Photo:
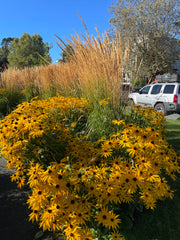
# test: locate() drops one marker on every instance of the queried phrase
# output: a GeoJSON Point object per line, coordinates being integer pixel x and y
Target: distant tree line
{"type": "Point", "coordinates": [26, 51]}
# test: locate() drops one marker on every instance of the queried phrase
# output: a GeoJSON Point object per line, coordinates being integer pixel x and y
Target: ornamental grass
{"type": "Point", "coordinates": [94, 71]}
{"type": "Point", "coordinates": [79, 187]}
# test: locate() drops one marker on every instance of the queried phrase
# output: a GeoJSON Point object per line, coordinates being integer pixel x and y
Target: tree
{"type": "Point", "coordinates": [67, 50]}
{"type": "Point", "coordinates": [28, 51]}
{"type": "Point", "coordinates": [67, 53]}
{"type": "Point", "coordinates": [148, 34]}
{"type": "Point", "coordinates": [4, 52]}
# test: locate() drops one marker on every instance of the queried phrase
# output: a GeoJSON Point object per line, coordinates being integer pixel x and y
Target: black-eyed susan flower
{"type": "Point", "coordinates": [71, 231]}
{"type": "Point", "coordinates": [108, 218]}
{"type": "Point", "coordinates": [34, 216]}
{"type": "Point", "coordinates": [118, 122]}
{"type": "Point", "coordinates": [117, 236]}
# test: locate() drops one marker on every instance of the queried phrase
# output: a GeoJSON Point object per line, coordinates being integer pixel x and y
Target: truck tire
{"type": "Point", "coordinates": [161, 108]}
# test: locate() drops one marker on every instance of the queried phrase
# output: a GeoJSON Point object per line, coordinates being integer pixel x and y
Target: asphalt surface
{"type": "Point", "coordinates": [14, 224]}
{"type": "Point", "coordinates": [174, 116]}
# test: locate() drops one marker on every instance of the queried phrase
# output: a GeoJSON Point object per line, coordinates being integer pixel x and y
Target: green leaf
{"type": "Point", "coordinates": [38, 234]}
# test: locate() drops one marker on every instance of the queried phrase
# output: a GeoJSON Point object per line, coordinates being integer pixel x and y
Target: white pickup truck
{"type": "Point", "coordinates": [164, 97]}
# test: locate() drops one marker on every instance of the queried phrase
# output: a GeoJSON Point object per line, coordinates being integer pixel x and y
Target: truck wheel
{"type": "Point", "coordinates": [160, 107]}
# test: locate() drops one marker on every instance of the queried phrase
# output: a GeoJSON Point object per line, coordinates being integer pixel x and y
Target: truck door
{"type": "Point", "coordinates": [142, 97]}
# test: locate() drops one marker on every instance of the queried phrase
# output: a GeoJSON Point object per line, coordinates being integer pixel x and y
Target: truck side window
{"type": "Point", "coordinates": [144, 90]}
{"type": "Point", "coordinates": [169, 89]}
{"type": "Point", "coordinates": [156, 89]}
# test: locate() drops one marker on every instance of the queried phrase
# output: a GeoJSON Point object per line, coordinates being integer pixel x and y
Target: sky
{"type": "Point", "coordinates": [53, 17]}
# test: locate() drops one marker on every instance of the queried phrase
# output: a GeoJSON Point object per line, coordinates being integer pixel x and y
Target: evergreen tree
{"type": "Point", "coordinates": [4, 51]}
{"type": "Point", "coordinates": [28, 51]}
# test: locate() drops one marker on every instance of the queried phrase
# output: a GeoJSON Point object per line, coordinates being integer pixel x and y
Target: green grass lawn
{"type": "Point", "coordinates": [164, 222]}
{"type": "Point", "coordinates": [173, 134]}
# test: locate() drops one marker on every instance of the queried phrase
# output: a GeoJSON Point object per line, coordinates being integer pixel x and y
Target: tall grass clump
{"type": "Point", "coordinates": [94, 70]}
{"type": "Point", "coordinates": [9, 99]}
{"type": "Point", "coordinates": [98, 66]}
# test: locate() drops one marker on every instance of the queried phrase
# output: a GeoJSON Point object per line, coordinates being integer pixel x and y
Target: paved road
{"type": "Point", "coordinates": [14, 224]}
{"type": "Point", "coordinates": [174, 116]}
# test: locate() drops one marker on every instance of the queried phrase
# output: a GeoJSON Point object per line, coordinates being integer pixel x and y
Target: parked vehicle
{"type": "Point", "coordinates": [163, 96]}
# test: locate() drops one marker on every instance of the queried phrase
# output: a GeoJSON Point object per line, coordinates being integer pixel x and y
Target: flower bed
{"type": "Point", "coordinates": [80, 187]}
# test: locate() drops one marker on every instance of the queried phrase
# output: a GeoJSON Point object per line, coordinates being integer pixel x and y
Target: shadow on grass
{"type": "Point", "coordinates": [163, 223]}
{"type": "Point", "coordinates": [175, 144]}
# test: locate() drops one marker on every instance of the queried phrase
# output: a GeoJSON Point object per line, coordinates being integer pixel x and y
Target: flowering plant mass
{"type": "Point", "coordinates": [78, 186]}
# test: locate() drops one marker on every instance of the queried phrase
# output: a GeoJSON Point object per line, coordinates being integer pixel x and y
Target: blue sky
{"type": "Point", "coordinates": [48, 18]}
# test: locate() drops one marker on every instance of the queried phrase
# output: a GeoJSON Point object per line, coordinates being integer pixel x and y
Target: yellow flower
{"type": "Point", "coordinates": [2, 90]}
{"type": "Point", "coordinates": [72, 231]}
{"type": "Point", "coordinates": [34, 216]}
{"type": "Point", "coordinates": [105, 150]}
{"type": "Point", "coordinates": [117, 236]}
{"type": "Point", "coordinates": [23, 91]}
{"type": "Point", "coordinates": [108, 219]}
{"type": "Point", "coordinates": [80, 216]}
{"type": "Point", "coordinates": [73, 124]}
{"type": "Point", "coordinates": [149, 199]}
{"type": "Point", "coordinates": [86, 234]}
{"type": "Point", "coordinates": [104, 102]}
{"type": "Point", "coordinates": [118, 122]}
{"type": "Point", "coordinates": [38, 198]}
{"type": "Point", "coordinates": [47, 218]}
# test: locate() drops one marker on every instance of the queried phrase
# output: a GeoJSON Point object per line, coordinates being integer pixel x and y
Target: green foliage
{"type": "Point", "coordinates": [9, 99]}
{"type": "Point", "coordinates": [100, 119]}
{"type": "Point", "coordinates": [67, 53]}
{"type": "Point", "coordinates": [31, 91]}
{"type": "Point", "coordinates": [4, 51]}
{"type": "Point", "coordinates": [50, 92]}
{"type": "Point", "coordinates": [28, 51]}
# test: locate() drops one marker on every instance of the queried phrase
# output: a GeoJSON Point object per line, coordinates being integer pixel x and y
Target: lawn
{"type": "Point", "coordinates": [173, 134]}
{"type": "Point", "coordinates": [164, 222]}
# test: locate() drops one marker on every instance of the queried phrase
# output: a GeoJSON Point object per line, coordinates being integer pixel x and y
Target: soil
{"type": "Point", "coordinates": [14, 224]}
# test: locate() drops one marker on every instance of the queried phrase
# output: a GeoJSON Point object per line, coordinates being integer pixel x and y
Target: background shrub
{"type": "Point", "coordinates": [9, 99]}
